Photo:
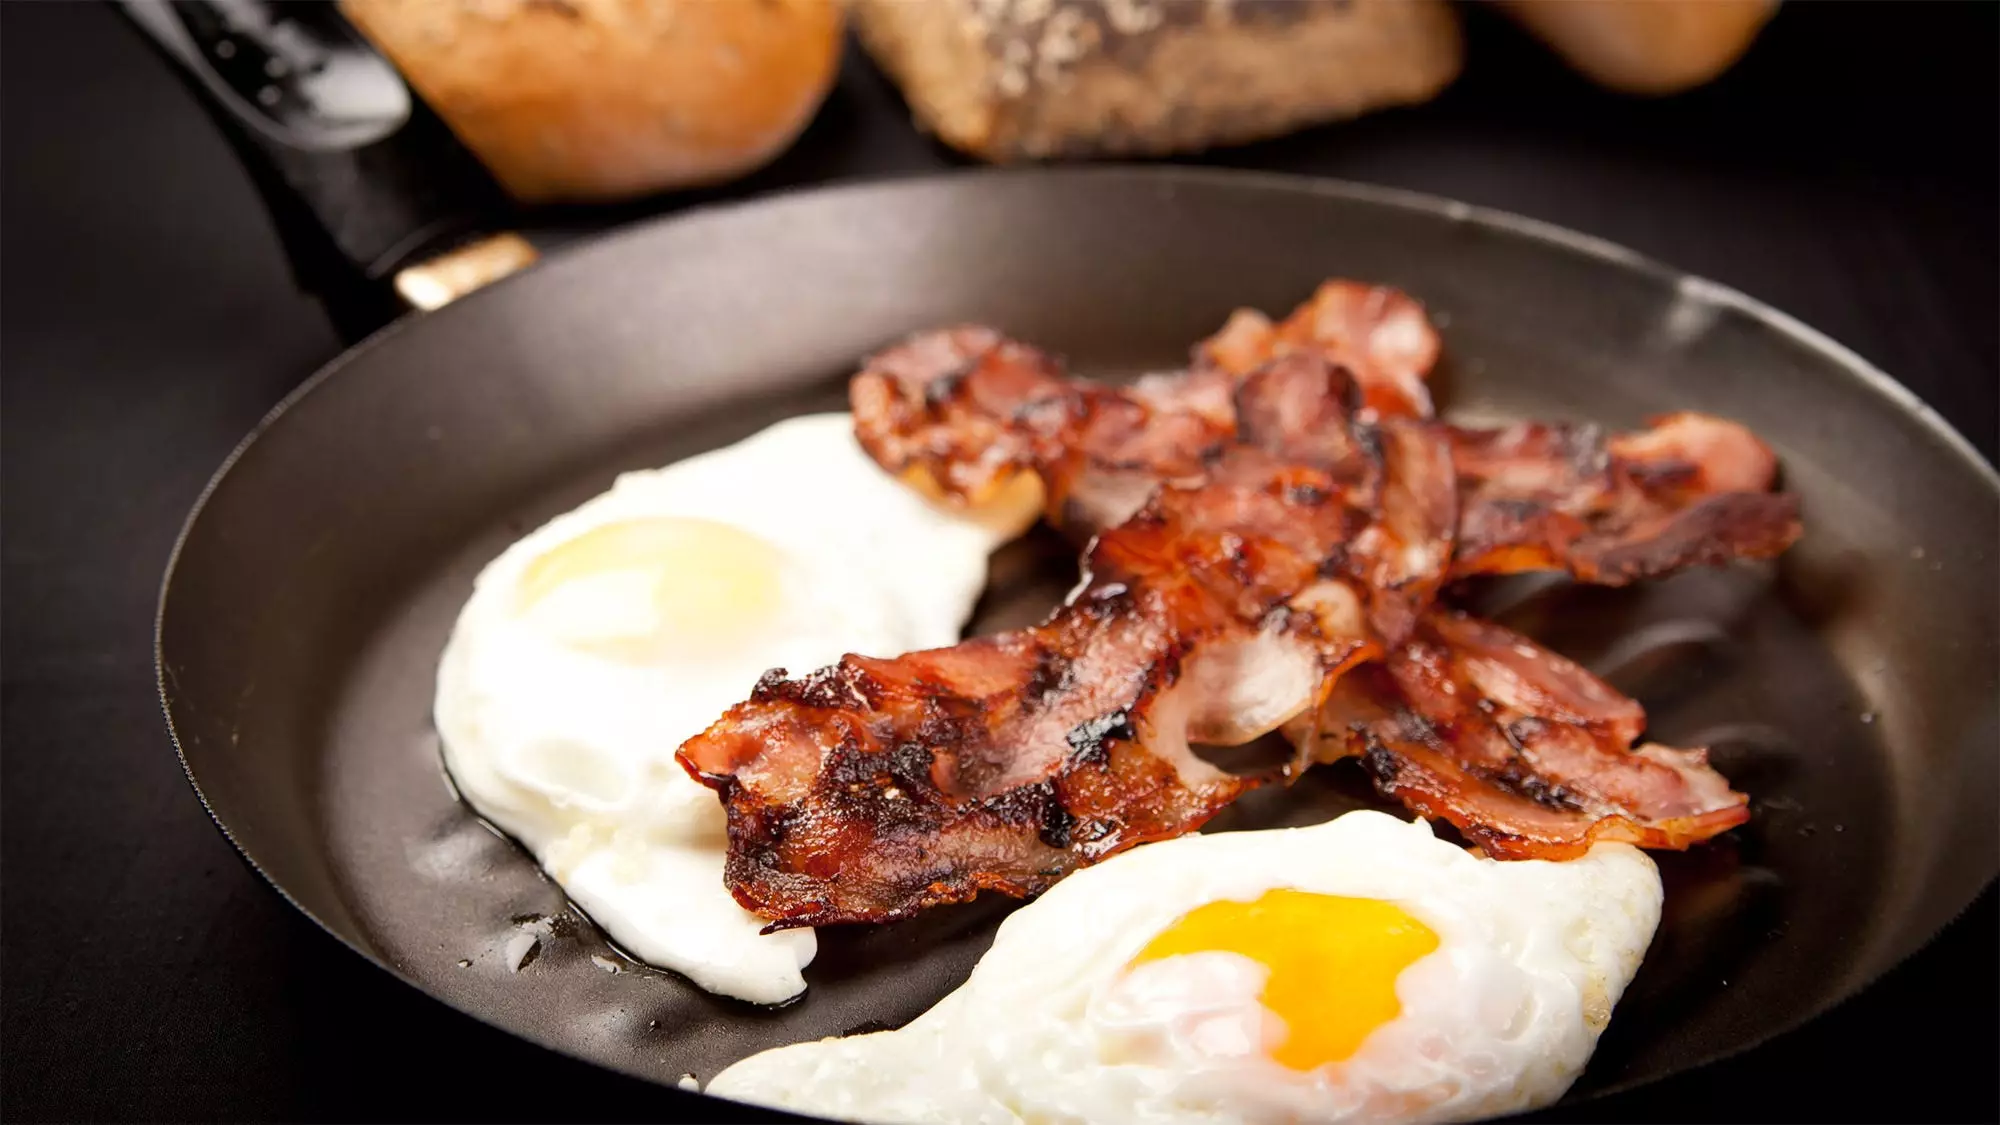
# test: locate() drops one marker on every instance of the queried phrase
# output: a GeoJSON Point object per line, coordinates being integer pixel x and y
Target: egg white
{"type": "Point", "coordinates": [569, 749]}
{"type": "Point", "coordinates": [1053, 1027]}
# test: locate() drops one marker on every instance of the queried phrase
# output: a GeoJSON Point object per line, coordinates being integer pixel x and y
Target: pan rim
{"type": "Point", "coordinates": [582, 254]}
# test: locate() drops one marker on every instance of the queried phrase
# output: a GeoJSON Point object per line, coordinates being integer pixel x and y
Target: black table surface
{"type": "Point", "coordinates": [1845, 173]}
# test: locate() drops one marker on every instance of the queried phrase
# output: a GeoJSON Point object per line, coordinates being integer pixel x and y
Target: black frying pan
{"type": "Point", "coordinates": [1851, 689]}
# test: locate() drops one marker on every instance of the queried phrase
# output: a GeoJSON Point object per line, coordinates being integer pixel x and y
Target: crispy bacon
{"type": "Point", "coordinates": [1689, 490]}
{"type": "Point", "coordinates": [959, 411]}
{"type": "Point", "coordinates": [1527, 754]}
{"type": "Point", "coordinates": [1379, 333]}
{"type": "Point", "coordinates": [877, 787]}
{"type": "Point", "coordinates": [1270, 529]}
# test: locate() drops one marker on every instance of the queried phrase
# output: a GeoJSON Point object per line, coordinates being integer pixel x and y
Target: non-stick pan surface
{"type": "Point", "coordinates": [1851, 688]}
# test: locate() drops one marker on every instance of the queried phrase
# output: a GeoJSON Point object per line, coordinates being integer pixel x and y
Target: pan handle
{"type": "Point", "coordinates": [361, 179]}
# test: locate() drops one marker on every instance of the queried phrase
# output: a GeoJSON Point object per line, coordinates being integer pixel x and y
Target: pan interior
{"type": "Point", "coordinates": [1851, 688]}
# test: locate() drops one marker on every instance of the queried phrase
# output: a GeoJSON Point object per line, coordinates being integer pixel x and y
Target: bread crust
{"type": "Point", "coordinates": [601, 99]}
{"type": "Point", "coordinates": [1009, 80]}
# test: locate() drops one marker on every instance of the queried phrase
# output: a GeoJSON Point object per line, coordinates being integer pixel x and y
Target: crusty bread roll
{"type": "Point", "coordinates": [1033, 79]}
{"type": "Point", "coordinates": [596, 99]}
{"type": "Point", "coordinates": [1645, 46]}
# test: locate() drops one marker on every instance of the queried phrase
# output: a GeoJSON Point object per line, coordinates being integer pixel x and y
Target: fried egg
{"type": "Point", "coordinates": [593, 647]}
{"type": "Point", "coordinates": [1358, 970]}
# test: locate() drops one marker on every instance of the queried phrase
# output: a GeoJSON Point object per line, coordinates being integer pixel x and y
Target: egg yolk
{"type": "Point", "coordinates": [1333, 963]}
{"type": "Point", "coordinates": [626, 590]}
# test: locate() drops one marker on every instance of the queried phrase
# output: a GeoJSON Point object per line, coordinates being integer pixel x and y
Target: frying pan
{"type": "Point", "coordinates": [1851, 687]}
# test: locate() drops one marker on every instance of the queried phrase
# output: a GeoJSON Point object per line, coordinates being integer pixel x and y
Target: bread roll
{"type": "Point", "coordinates": [1032, 79]}
{"type": "Point", "coordinates": [1645, 46]}
{"type": "Point", "coordinates": [597, 99]}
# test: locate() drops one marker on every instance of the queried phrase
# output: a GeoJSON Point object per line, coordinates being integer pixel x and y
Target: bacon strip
{"type": "Point", "coordinates": [1379, 333]}
{"type": "Point", "coordinates": [1689, 490]}
{"type": "Point", "coordinates": [1527, 754]}
{"type": "Point", "coordinates": [959, 411]}
{"type": "Point", "coordinates": [874, 788]}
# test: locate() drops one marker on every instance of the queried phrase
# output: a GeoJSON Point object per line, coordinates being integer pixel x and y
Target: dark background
{"type": "Point", "coordinates": [1845, 172]}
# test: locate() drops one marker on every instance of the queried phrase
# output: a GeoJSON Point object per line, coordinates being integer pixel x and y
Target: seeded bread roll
{"type": "Point", "coordinates": [1645, 46]}
{"type": "Point", "coordinates": [598, 99]}
{"type": "Point", "coordinates": [1033, 79]}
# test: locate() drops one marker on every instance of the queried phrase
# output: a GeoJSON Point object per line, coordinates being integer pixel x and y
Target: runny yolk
{"type": "Point", "coordinates": [1333, 961]}
{"type": "Point", "coordinates": [628, 590]}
